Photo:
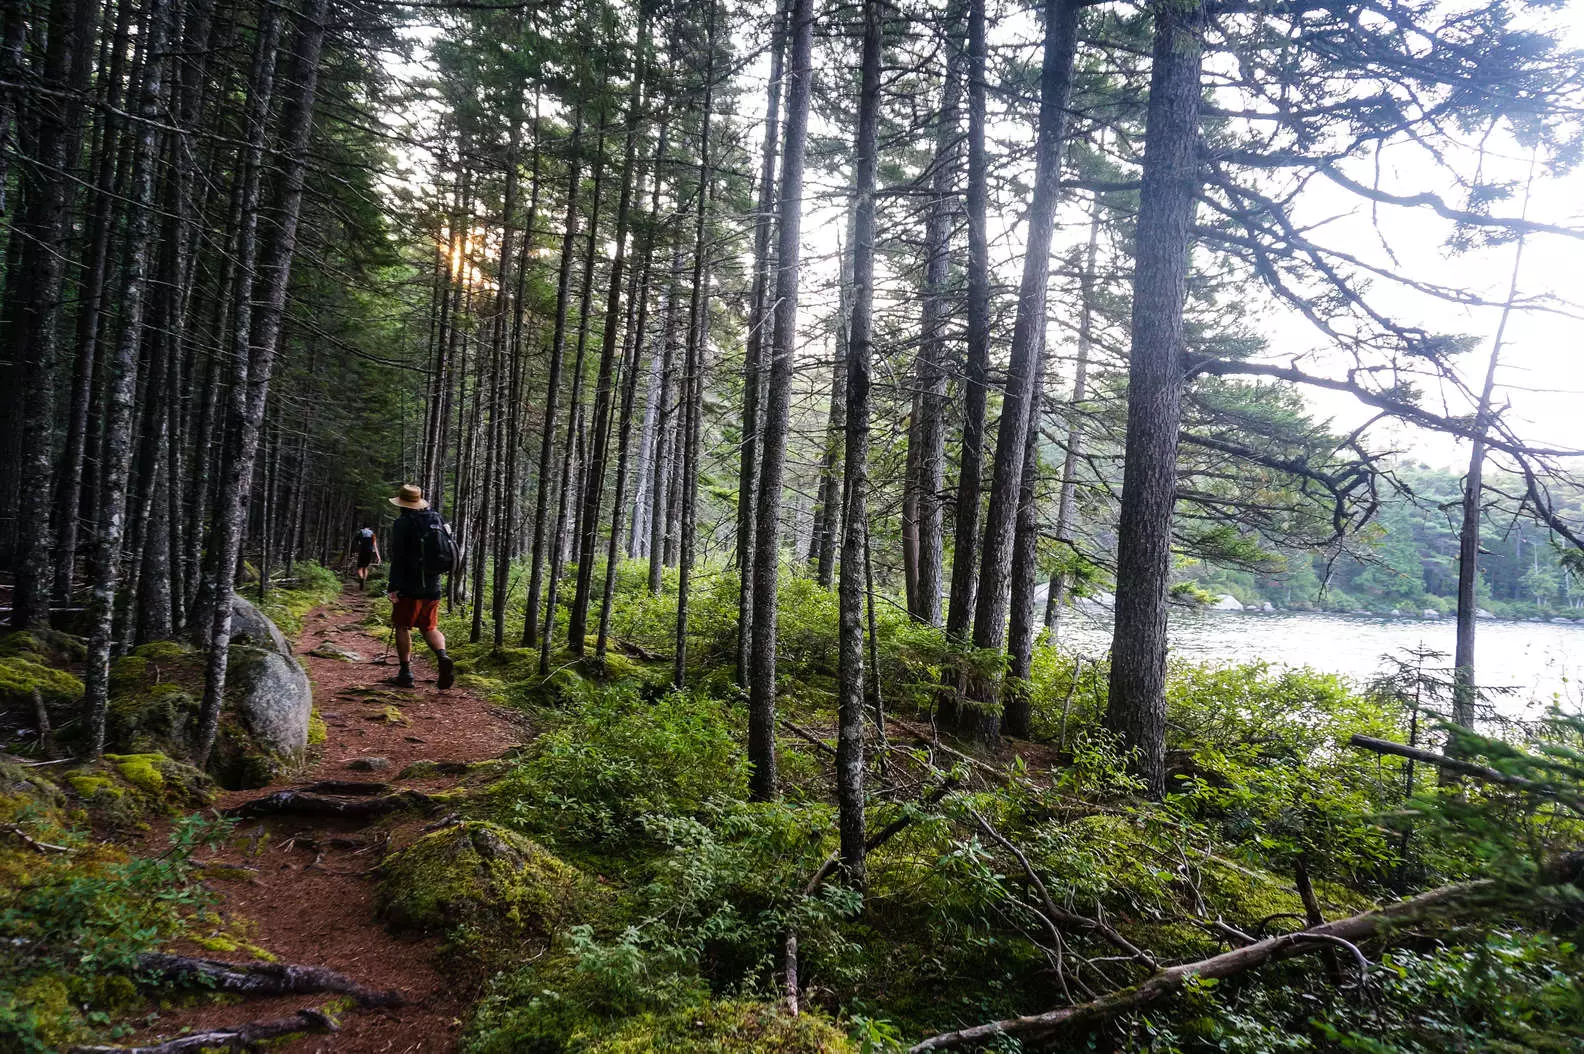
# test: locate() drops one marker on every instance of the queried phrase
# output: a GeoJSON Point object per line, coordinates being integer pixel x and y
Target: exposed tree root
{"type": "Point", "coordinates": [305, 803]}
{"type": "Point", "coordinates": [241, 1037]}
{"type": "Point", "coordinates": [1071, 1020]}
{"type": "Point", "coordinates": [345, 787]}
{"type": "Point", "coordinates": [261, 979]}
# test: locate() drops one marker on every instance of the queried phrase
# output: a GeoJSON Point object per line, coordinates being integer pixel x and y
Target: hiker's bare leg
{"type": "Point", "coordinates": [435, 639]}
{"type": "Point", "coordinates": [404, 644]}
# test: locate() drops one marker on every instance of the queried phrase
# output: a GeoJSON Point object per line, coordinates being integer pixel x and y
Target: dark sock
{"type": "Point", "coordinates": [441, 654]}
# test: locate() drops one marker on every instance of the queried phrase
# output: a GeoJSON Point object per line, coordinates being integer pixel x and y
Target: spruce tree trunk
{"type": "Point", "coordinates": [828, 510]}
{"type": "Point", "coordinates": [965, 533]}
{"type": "Point", "coordinates": [1465, 691]}
{"type": "Point", "coordinates": [931, 430]}
{"type": "Point", "coordinates": [753, 359]}
{"type": "Point", "coordinates": [660, 486]}
{"type": "Point", "coordinates": [594, 485]}
{"type": "Point", "coordinates": [90, 309]}
{"type": "Point", "coordinates": [577, 423]}
{"type": "Point", "coordinates": [763, 783]}
{"type": "Point", "coordinates": [122, 369]}
{"type": "Point", "coordinates": [850, 746]}
{"type": "Point", "coordinates": [536, 558]}
{"type": "Point", "coordinates": [1136, 709]}
{"type": "Point", "coordinates": [275, 272]}
{"type": "Point", "coordinates": [1025, 566]}
{"type": "Point", "coordinates": [1019, 403]}
{"type": "Point", "coordinates": [632, 356]}
{"type": "Point", "coordinates": [692, 379]}
{"type": "Point", "coordinates": [45, 182]}
{"type": "Point", "coordinates": [1066, 505]}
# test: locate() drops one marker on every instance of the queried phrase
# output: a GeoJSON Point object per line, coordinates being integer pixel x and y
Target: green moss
{"type": "Point", "coordinates": [727, 1027]}
{"type": "Point", "coordinates": [495, 893]}
{"type": "Point", "coordinates": [128, 673]}
{"type": "Point", "coordinates": [318, 731]}
{"type": "Point", "coordinates": [93, 786]}
{"type": "Point", "coordinates": [163, 651]}
{"type": "Point", "coordinates": [140, 770]}
{"type": "Point", "coordinates": [126, 790]}
{"type": "Point", "coordinates": [47, 647]}
{"type": "Point", "coordinates": [20, 678]}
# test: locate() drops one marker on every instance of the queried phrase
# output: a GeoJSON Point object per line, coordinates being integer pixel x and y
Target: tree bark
{"type": "Point", "coordinates": [1136, 709]}
{"type": "Point", "coordinates": [275, 270]}
{"type": "Point", "coordinates": [1019, 404]}
{"type": "Point", "coordinates": [850, 746]}
{"type": "Point", "coordinates": [1465, 692]}
{"type": "Point", "coordinates": [692, 374]}
{"type": "Point", "coordinates": [577, 422]}
{"type": "Point", "coordinates": [753, 360]}
{"type": "Point", "coordinates": [965, 549]}
{"type": "Point", "coordinates": [1066, 504]}
{"type": "Point", "coordinates": [594, 484]}
{"type": "Point", "coordinates": [530, 637]}
{"type": "Point", "coordinates": [767, 531]}
{"type": "Point", "coordinates": [122, 369]}
{"type": "Point", "coordinates": [931, 430]}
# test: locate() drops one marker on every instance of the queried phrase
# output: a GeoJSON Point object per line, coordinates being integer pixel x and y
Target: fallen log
{"type": "Point", "coordinates": [260, 979]}
{"type": "Point", "coordinates": [1070, 1020]}
{"type": "Point", "coordinates": [240, 1037]}
{"type": "Point", "coordinates": [1469, 768]}
{"type": "Point", "coordinates": [303, 803]}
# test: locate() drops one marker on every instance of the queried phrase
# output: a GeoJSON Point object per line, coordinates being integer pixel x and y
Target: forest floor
{"type": "Point", "coordinates": [304, 889]}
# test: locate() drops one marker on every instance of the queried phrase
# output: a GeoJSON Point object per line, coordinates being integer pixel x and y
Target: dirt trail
{"type": "Point", "coordinates": [310, 902]}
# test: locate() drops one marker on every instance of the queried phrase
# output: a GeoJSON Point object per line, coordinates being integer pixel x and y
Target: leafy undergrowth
{"type": "Point", "coordinates": [76, 912]}
{"type": "Point", "coordinates": [643, 789]}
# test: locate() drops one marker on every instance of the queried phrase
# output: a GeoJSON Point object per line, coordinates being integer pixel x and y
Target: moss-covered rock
{"type": "Point", "coordinates": [493, 892]}
{"type": "Point", "coordinates": [727, 1027]}
{"type": "Point", "coordinates": [126, 790]}
{"type": "Point", "coordinates": [47, 647]}
{"type": "Point", "coordinates": [21, 677]}
{"type": "Point", "coordinates": [24, 791]}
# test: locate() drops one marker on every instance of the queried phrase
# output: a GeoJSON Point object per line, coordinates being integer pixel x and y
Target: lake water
{"type": "Point", "coordinates": [1541, 660]}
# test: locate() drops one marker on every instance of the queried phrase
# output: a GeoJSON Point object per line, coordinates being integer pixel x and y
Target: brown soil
{"type": "Point", "coordinates": [307, 901]}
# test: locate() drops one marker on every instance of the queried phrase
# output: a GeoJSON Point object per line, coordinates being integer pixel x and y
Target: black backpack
{"type": "Point", "coordinates": [437, 549]}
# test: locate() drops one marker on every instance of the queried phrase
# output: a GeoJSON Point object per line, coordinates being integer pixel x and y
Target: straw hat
{"type": "Point", "coordinates": [410, 497]}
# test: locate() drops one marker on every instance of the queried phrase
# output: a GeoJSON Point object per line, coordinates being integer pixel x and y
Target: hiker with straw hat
{"type": "Point", "coordinates": [421, 553]}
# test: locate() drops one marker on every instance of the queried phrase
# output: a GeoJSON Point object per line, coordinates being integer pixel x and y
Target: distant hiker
{"type": "Point", "coordinates": [421, 552]}
{"type": "Point", "coordinates": [367, 546]}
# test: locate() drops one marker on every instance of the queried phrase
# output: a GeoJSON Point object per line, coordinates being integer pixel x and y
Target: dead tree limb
{"type": "Point", "coordinates": [1038, 1028]}
{"type": "Point", "coordinates": [260, 979]}
{"type": "Point", "coordinates": [241, 1037]}
{"type": "Point", "coordinates": [302, 803]}
{"type": "Point", "coordinates": [1056, 914]}
{"type": "Point", "coordinates": [1468, 768]}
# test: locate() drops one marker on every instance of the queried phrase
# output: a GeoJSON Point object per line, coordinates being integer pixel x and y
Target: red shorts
{"type": "Point", "coordinates": [414, 612]}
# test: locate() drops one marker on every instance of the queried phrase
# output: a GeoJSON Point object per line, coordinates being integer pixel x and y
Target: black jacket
{"type": "Point", "coordinates": [407, 576]}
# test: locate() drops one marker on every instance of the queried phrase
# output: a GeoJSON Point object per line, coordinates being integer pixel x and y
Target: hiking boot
{"type": "Point", "coordinates": [404, 679]}
{"type": "Point", "coordinates": [447, 672]}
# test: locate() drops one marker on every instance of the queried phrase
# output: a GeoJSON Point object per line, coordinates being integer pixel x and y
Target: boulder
{"type": "Point", "coordinates": [331, 650]}
{"type": "Point", "coordinates": [252, 627]}
{"type": "Point", "coordinates": [1267, 607]}
{"type": "Point", "coordinates": [1226, 602]}
{"type": "Point", "coordinates": [1430, 613]}
{"type": "Point", "coordinates": [491, 890]}
{"type": "Point", "coordinates": [269, 700]}
{"type": "Point", "coordinates": [369, 764]}
{"type": "Point", "coordinates": [1482, 613]}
